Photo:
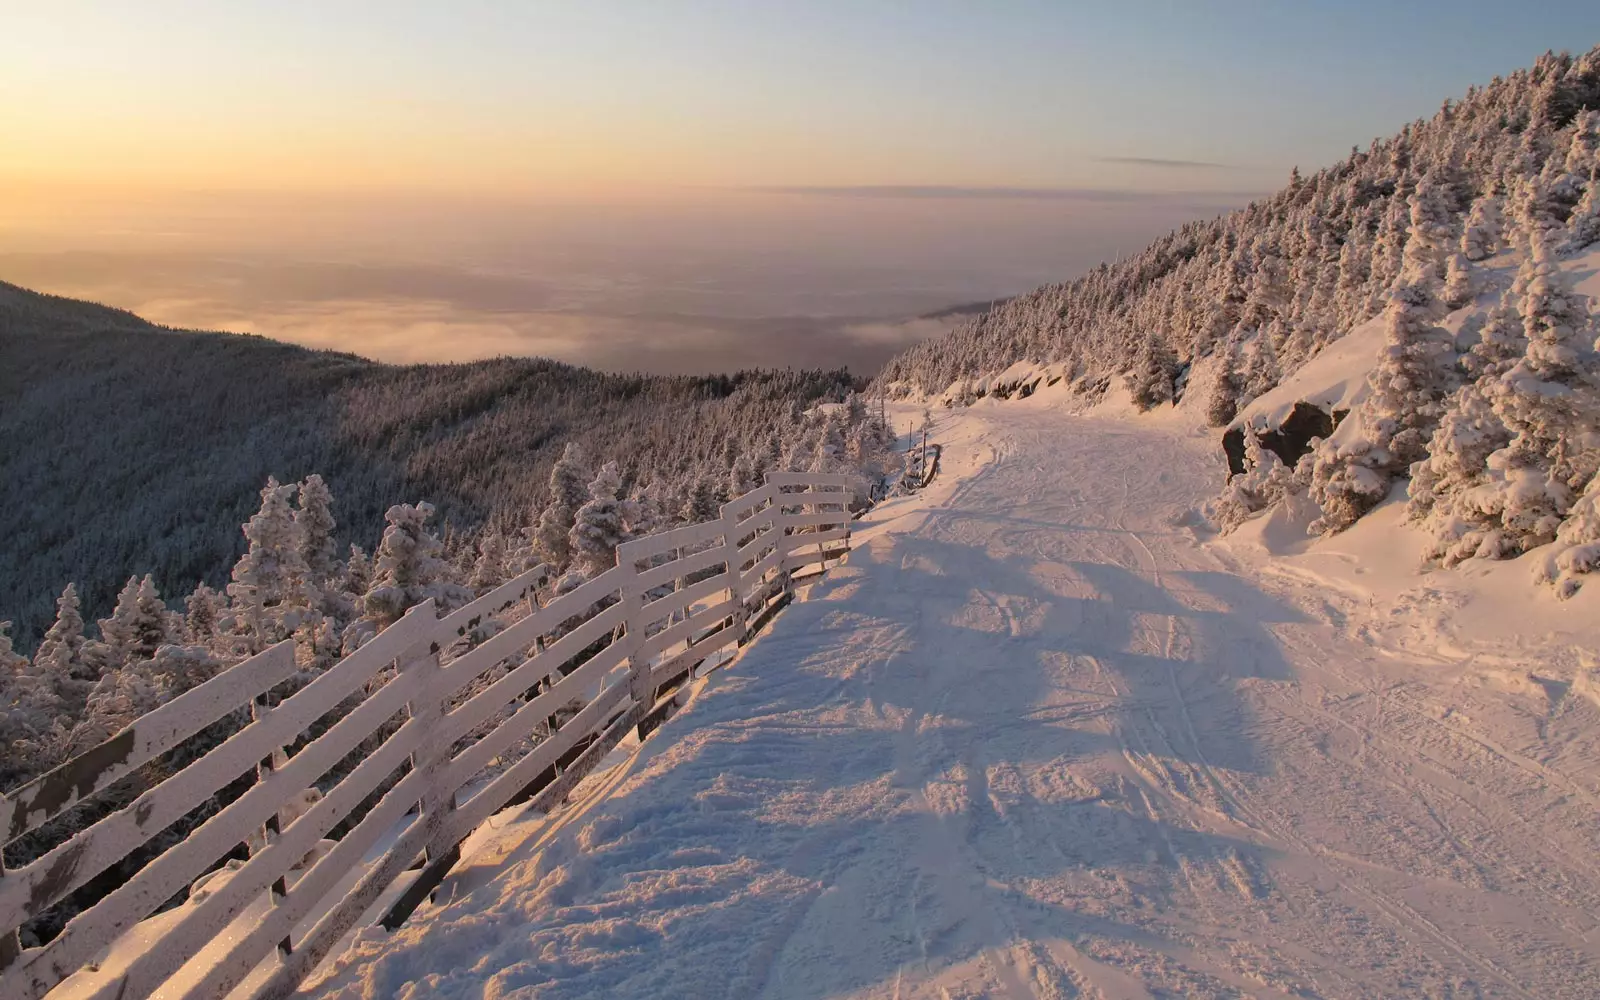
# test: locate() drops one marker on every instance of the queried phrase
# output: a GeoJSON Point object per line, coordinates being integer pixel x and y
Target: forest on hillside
{"type": "Point", "coordinates": [1497, 428]}
{"type": "Point", "coordinates": [129, 448]}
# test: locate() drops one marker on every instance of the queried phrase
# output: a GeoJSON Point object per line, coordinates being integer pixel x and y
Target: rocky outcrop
{"type": "Point", "coordinates": [1289, 440]}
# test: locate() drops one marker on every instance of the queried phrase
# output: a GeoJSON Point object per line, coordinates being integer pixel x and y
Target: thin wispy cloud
{"type": "Point", "coordinates": [1156, 161]}
{"type": "Point", "coordinates": [953, 192]}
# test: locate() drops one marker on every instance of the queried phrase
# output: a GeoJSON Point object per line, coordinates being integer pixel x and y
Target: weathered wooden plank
{"type": "Point", "coordinates": [760, 541]}
{"type": "Point", "coordinates": [492, 798]}
{"type": "Point", "coordinates": [472, 759]}
{"type": "Point", "coordinates": [669, 637]}
{"type": "Point", "coordinates": [740, 506]}
{"type": "Point", "coordinates": [800, 559]}
{"type": "Point", "coordinates": [813, 479]}
{"type": "Point", "coordinates": [31, 889]}
{"type": "Point", "coordinates": [483, 705]}
{"type": "Point", "coordinates": [462, 620]}
{"type": "Point", "coordinates": [680, 599]}
{"type": "Point", "coordinates": [150, 736]}
{"type": "Point", "coordinates": [686, 536]}
{"type": "Point", "coordinates": [458, 673]}
{"type": "Point", "coordinates": [655, 576]}
{"type": "Point", "coordinates": [761, 567]}
{"type": "Point", "coordinates": [331, 928]}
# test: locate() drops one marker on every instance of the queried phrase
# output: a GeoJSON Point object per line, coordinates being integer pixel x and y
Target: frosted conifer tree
{"type": "Point", "coordinates": [357, 572]}
{"type": "Point", "coordinates": [598, 529]}
{"type": "Point", "coordinates": [1500, 341]}
{"type": "Point", "coordinates": [489, 569]}
{"type": "Point", "coordinates": [1576, 552]}
{"type": "Point", "coordinates": [1460, 288]}
{"type": "Point", "coordinates": [551, 533]}
{"type": "Point", "coordinates": [1223, 403]}
{"type": "Point", "coordinates": [1458, 454]}
{"type": "Point", "coordinates": [1481, 237]}
{"type": "Point", "coordinates": [701, 503]}
{"type": "Point", "coordinates": [569, 478]}
{"type": "Point", "coordinates": [409, 568]}
{"type": "Point", "coordinates": [111, 650]}
{"type": "Point", "coordinates": [152, 625]}
{"type": "Point", "coordinates": [204, 614]}
{"type": "Point", "coordinates": [1583, 229]}
{"type": "Point", "coordinates": [1261, 374]}
{"type": "Point", "coordinates": [1550, 403]}
{"type": "Point", "coordinates": [742, 477]}
{"type": "Point", "coordinates": [271, 590]}
{"type": "Point", "coordinates": [60, 655]}
{"type": "Point", "coordinates": [1151, 380]}
{"type": "Point", "coordinates": [313, 516]}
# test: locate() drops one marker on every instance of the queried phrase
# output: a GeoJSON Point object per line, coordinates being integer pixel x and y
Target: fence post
{"type": "Point", "coordinates": [632, 598]}
{"type": "Point", "coordinates": [423, 671]}
{"type": "Point", "coordinates": [273, 826]}
{"type": "Point", "coordinates": [10, 940]}
{"type": "Point", "coordinates": [730, 556]}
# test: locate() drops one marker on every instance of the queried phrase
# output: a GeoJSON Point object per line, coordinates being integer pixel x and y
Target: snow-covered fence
{"type": "Point", "coordinates": [427, 728]}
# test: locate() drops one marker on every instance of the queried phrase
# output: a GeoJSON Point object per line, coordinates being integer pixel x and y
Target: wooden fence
{"type": "Point", "coordinates": [440, 700]}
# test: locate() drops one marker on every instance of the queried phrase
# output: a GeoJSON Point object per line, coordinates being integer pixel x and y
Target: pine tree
{"type": "Point", "coordinates": [742, 477]}
{"type": "Point", "coordinates": [60, 655]}
{"type": "Point", "coordinates": [1223, 403]}
{"type": "Point", "coordinates": [409, 568]}
{"type": "Point", "coordinates": [152, 626]}
{"type": "Point", "coordinates": [1459, 286]}
{"type": "Point", "coordinates": [551, 533]}
{"type": "Point", "coordinates": [204, 615]}
{"type": "Point", "coordinates": [1500, 341]}
{"type": "Point", "coordinates": [569, 479]}
{"type": "Point", "coordinates": [597, 530]}
{"type": "Point", "coordinates": [271, 590]}
{"type": "Point", "coordinates": [1151, 380]}
{"type": "Point", "coordinates": [1550, 403]}
{"type": "Point", "coordinates": [1583, 228]}
{"type": "Point", "coordinates": [489, 569]}
{"type": "Point", "coordinates": [1481, 237]}
{"type": "Point", "coordinates": [313, 517]}
{"type": "Point", "coordinates": [701, 503]}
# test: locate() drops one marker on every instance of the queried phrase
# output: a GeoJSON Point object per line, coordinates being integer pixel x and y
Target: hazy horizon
{"type": "Point", "coordinates": [716, 283]}
{"type": "Point", "coordinates": [671, 186]}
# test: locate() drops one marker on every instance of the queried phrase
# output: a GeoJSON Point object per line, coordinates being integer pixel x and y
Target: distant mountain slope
{"type": "Point", "coordinates": [129, 447]}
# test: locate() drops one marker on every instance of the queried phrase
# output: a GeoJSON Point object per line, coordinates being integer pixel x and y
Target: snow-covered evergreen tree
{"type": "Point", "coordinates": [598, 528]}
{"type": "Point", "coordinates": [1460, 285]}
{"type": "Point", "coordinates": [489, 568]}
{"type": "Point", "coordinates": [1576, 552]}
{"type": "Point", "coordinates": [409, 568]}
{"type": "Point", "coordinates": [313, 516]}
{"type": "Point", "coordinates": [272, 592]}
{"type": "Point", "coordinates": [1481, 237]}
{"type": "Point", "coordinates": [60, 656]}
{"type": "Point", "coordinates": [204, 615]}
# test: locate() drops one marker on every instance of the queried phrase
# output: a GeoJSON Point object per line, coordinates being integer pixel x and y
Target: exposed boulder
{"type": "Point", "coordinates": [1289, 440]}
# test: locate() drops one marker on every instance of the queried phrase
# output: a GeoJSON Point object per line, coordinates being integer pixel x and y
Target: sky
{"type": "Point", "coordinates": [671, 167]}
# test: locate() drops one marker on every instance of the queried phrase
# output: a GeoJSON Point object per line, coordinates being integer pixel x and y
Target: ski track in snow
{"type": "Point", "coordinates": [1038, 742]}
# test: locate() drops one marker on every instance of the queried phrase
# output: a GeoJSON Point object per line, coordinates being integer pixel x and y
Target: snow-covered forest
{"type": "Point", "coordinates": [132, 448]}
{"type": "Point", "coordinates": [1493, 416]}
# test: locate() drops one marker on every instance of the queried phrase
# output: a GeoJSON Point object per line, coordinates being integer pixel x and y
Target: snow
{"type": "Point", "coordinates": [1040, 736]}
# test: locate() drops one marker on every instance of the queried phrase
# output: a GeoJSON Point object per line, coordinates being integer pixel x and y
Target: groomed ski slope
{"type": "Point", "coordinates": [1039, 738]}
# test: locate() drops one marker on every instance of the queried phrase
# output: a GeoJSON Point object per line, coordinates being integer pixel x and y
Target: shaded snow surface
{"type": "Point", "coordinates": [1038, 739]}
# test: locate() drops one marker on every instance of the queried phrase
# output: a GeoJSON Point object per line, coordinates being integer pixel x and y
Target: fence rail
{"type": "Point", "coordinates": [441, 699]}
